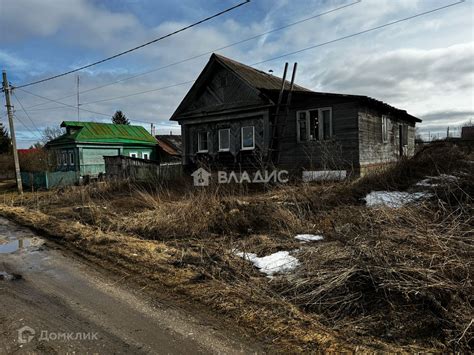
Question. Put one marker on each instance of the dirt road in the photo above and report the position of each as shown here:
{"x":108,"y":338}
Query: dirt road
{"x":64,"y":306}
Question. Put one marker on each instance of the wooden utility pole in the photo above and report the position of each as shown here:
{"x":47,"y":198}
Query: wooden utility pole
{"x":7,"y":90}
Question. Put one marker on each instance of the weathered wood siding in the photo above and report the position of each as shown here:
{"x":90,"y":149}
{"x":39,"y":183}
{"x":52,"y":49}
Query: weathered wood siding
{"x":372,"y":150}
{"x":340,"y":152}
{"x":223,"y":91}
{"x":234,"y":122}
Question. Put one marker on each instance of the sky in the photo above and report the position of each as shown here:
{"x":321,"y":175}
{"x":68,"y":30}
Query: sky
{"x":424,"y":65}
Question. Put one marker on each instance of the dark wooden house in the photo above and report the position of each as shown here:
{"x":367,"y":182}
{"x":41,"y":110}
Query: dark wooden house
{"x":231,"y":118}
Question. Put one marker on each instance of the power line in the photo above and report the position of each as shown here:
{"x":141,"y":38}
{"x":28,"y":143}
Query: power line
{"x":26,"y":113}
{"x":139,"y":93}
{"x":62,"y":103}
{"x":361,"y":32}
{"x":23,"y":124}
{"x":137,"y":47}
{"x":208,"y":52}
{"x":75,"y":107}
{"x":297,"y":51}
{"x":277,"y":57}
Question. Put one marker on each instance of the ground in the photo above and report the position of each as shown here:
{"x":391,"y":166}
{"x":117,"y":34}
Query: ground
{"x":390,"y":273}
{"x":48,"y":289}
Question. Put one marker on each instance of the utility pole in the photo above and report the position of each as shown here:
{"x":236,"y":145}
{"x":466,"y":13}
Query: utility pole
{"x":7,"y":90}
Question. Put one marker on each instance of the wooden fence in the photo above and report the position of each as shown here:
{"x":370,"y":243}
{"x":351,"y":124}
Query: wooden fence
{"x":135,"y":169}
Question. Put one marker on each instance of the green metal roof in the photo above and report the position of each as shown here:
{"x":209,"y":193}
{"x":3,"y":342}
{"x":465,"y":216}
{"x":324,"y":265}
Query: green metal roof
{"x":94,"y":132}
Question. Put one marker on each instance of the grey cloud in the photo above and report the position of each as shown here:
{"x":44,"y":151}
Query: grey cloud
{"x":22,"y":19}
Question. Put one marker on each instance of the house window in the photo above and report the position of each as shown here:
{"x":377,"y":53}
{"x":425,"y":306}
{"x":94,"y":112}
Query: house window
{"x":71,"y":158}
{"x":248,"y":137}
{"x":224,"y":140}
{"x":64,"y":158}
{"x":203,"y":138}
{"x":405,"y":135}
{"x":133,"y":154}
{"x":384,"y":129}
{"x":146,"y":156}
{"x":314,"y":125}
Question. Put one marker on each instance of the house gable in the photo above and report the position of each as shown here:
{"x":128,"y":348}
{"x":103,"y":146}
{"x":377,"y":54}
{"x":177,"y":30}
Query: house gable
{"x":218,"y":88}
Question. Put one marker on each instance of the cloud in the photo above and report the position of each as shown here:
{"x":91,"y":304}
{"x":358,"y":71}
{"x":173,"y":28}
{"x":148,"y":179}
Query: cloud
{"x":78,"y":19}
{"x":424,"y":66}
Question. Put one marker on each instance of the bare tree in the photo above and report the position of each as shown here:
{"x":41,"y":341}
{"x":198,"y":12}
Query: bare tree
{"x":50,"y":133}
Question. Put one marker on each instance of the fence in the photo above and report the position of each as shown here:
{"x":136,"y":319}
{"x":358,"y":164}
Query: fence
{"x":48,"y":180}
{"x":135,"y":169}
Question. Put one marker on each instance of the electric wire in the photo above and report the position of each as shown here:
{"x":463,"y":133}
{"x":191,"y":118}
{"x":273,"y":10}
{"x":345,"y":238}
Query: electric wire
{"x":137,"y":47}
{"x":207,"y":53}
{"x":27,"y":115}
{"x":295,"y":52}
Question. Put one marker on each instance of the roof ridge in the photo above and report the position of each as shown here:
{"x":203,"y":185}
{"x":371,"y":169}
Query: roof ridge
{"x":226,"y":61}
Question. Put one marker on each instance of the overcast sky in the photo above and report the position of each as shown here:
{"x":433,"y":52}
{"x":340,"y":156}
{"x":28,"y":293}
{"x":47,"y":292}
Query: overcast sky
{"x":424,"y":66}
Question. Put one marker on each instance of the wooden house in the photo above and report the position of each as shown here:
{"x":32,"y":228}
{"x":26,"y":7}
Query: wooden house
{"x":231,"y":118}
{"x":168,"y":148}
{"x":83,"y":147}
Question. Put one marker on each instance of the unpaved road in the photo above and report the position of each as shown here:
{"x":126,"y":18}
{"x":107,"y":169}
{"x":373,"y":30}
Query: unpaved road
{"x":71,"y":308}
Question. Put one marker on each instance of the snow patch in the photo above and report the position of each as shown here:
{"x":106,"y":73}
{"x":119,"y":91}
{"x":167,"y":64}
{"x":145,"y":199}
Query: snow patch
{"x":393,"y":199}
{"x":278,"y":262}
{"x":434,"y":181}
{"x":304,"y":238}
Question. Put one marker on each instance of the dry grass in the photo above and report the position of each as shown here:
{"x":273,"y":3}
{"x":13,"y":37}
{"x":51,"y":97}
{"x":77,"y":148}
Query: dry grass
{"x":382,"y":279}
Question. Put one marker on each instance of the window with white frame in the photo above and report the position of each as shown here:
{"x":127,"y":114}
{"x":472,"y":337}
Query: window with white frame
{"x":314,"y":125}
{"x":248,"y":137}
{"x":384,"y":129}
{"x":146,"y":156}
{"x":224,"y":140}
{"x":203,"y":142}
{"x":71,"y":158}
{"x":64,"y":158}
{"x":133,"y":155}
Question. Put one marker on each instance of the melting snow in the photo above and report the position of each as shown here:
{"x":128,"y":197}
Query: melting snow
{"x":433,"y":181}
{"x":308,"y":237}
{"x":394,"y":199}
{"x":278,"y":262}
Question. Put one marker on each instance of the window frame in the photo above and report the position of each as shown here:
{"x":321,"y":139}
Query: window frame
{"x":133,"y":153}
{"x":199,"y":150}
{"x":384,"y":128}
{"x":71,"y":158}
{"x":242,"y":138}
{"x":404,"y":135}
{"x":146,"y":154}
{"x":219,"y":139}
{"x":320,"y":125}
{"x":64,"y":158}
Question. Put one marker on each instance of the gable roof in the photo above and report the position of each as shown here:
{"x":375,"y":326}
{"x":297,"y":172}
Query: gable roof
{"x":268,"y":86}
{"x":256,"y":78}
{"x":171,"y":144}
{"x":94,"y":132}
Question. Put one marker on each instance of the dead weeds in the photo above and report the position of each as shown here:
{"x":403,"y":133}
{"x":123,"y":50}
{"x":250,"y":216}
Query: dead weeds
{"x":382,"y":279}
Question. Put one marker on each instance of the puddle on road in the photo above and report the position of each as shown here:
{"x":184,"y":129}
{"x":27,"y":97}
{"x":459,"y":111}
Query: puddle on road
{"x":16,"y":238}
{"x":14,"y":245}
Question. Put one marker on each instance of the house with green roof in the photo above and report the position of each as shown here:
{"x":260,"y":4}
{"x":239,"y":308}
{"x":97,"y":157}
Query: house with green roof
{"x":83,"y":147}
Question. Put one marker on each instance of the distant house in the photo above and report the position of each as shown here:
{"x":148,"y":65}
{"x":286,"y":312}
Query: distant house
{"x":168,"y":148}
{"x":229,"y":119}
{"x":83,"y":147}
{"x":467,"y":133}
